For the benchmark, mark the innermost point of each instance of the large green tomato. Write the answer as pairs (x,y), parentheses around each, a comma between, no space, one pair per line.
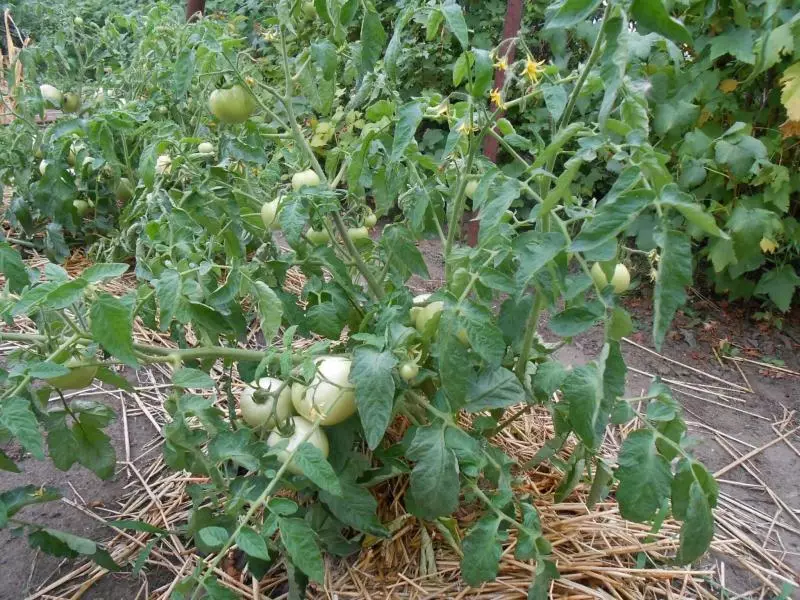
(260,409)
(305,178)
(269,214)
(77,378)
(205,148)
(318,237)
(598,276)
(124,190)
(51,94)
(621,279)
(471,188)
(71,103)
(429,313)
(358,233)
(301,428)
(81,207)
(330,394)
(232,105)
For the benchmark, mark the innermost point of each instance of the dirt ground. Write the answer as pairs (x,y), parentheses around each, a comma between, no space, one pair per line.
(698,329)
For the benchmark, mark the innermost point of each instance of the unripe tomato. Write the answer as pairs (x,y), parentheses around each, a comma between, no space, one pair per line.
(81,207)
(233,105)
(51,95)
(357,233)
(205,148)
(309,10)
(77,378)
(318,237)
(43,167)
(78,21)
(598,276)
(409,370)
(269,213)
(71,103)
(124,190)
(163,164)
(370,219)
(162,110)
(259,409)
(305,178)
(430,312)
(472,186)
(621,279)
(301,429)
(330,394)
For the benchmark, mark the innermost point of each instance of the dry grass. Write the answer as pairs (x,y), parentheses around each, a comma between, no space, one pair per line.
(598,553)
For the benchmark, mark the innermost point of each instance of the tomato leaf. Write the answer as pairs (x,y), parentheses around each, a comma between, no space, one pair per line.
(434,484)
(373,37)
(372,375)
(6,464)
(454,17)
(301,545)
(494,388)
(13,268)
(570,12)
(652,15)
(482,551)
(94,450)
(354,506)
(315,466)
(611,217)
(644,477)
(582,391)
(252,544)
(409,116)
(192,378)
(17,417)
(674,275)
(112,327)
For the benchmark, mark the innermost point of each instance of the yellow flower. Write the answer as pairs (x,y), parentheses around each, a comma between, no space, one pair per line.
(501,64)
(533,68)
(768,246)
(465,128)
(497,98)
(726,86)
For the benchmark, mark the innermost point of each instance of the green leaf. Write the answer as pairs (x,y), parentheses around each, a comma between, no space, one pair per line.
(354,506)
(482,551)
(373,37)
(18,498)
(169,289)
(620,324)
(102,271)
(409,116)
(573,321)
(651,15)
(548,378)
(692,211)
(644,477)
(483,70)
(494,388)
(372,375)
(6,464)
(94,450)
(483,334)
(112,327)
(737,42)
(315,466)
(110,377)
(546,573)
(13,268)
(534,251)
(674,275)
(779,285)
(697,530)
(582,391)
(528,534)
(434,484)
(252,544)
(213,536)
(454,17)
(555,99)
(611,218)
(60,543)
(270,309)
(455,369)
(17,417)
(613,372)
(47,370)
(570,12)
(403,252)
(192,378)
(301,545)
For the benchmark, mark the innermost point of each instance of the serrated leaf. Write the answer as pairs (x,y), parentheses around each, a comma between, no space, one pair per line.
(674,276)
(494,388)
(373,37)
(620,324)
(482,551)
(454,17)
(692,211)
(213,536)
(102,271)
(301,545)
(192,378)
(315,466)
(17,417)
(570,12)
(354,506)
(483,334)
(697,530)
(94,450)
(372,375)
(572,321)
(403,252)
(409,116)
(652,15)
(252,544)
(18,498)
(13,268)
(112,327)
(611,218)
(779,285)
(169,290)
(47,370)
(434,483)
(270,309)
(644,477)
(546,572)
(582,391)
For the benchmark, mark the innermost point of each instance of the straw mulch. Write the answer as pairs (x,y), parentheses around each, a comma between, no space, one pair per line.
(599,554)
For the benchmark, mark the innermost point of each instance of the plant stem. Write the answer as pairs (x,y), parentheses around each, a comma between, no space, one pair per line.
(531,325)
(25,380)
(362,267)
(590,62)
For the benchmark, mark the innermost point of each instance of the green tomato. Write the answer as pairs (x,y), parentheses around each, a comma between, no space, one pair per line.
(77,378)
(472,186)
(309,10)
(370,219)
(81,207)
(232,105)
(318,237)
(71,103)
(51,95)
(124,190)
(357,233)
(78,21)
(43,167)
(598,276)
(330,394)
(205,148)
(269,214)
(301,428)
(409,370)
(621,279)
(305,178)
(260,409)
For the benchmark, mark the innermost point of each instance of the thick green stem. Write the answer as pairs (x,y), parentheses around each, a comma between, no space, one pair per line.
(590,62)
(531,326)
(25,380)
(362,267)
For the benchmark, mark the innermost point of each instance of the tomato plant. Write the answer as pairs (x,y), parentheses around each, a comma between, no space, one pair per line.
(308,143)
